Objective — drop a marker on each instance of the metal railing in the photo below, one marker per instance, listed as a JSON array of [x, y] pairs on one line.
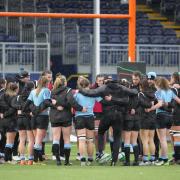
[[152, 55], [111, 55], [159, 55], [85, 50], [70, 43], [33, 57]]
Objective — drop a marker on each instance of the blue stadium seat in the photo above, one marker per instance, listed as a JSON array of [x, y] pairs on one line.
[[124, 23], [170, 39], [124, 39], [104, 11], [104, 39], [86, 29], [71, 49], [177, 13], [85, 47], [168, 6], [141, 15], [2, 38], [143, 22], [155, 23], [85, 22], [124, 6], [103, 22], [69, 21], [168, 32], [103, 30], [85, 38], [157, 39], [114, 22], [114, 30], [143, 31], [153, 1], [2, 29], [2, 7], [71, 38], [178, 41], [72, 30], [115, 39], [124, 31], [11, 39], [156, 31], [143, 39]]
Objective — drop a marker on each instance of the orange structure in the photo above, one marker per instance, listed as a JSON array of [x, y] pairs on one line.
[[131, 17]]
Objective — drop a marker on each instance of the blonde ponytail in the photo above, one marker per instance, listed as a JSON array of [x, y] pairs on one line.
[[42, 82], [59, 82]]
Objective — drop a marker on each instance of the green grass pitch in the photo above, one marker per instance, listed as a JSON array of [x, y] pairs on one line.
[[95, 172]]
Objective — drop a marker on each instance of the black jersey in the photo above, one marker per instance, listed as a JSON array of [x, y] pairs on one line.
[[176, 112]]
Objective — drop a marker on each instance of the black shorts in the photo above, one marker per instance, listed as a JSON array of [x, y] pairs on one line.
[[164, 120], [98, 116], [149, 125], [40, 122], [24, 123], [1, 125], [9, 125], [131, 125], [84, 122], [62, 124], [176, 121]]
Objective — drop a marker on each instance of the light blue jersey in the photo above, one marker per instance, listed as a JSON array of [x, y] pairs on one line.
[[37, 100], [87, 102], [165, 96]]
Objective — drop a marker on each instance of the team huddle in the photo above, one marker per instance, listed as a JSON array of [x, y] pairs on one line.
[[140, 115]]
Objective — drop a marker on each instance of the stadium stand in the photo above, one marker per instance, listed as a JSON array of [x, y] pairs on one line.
[[153, 28]]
